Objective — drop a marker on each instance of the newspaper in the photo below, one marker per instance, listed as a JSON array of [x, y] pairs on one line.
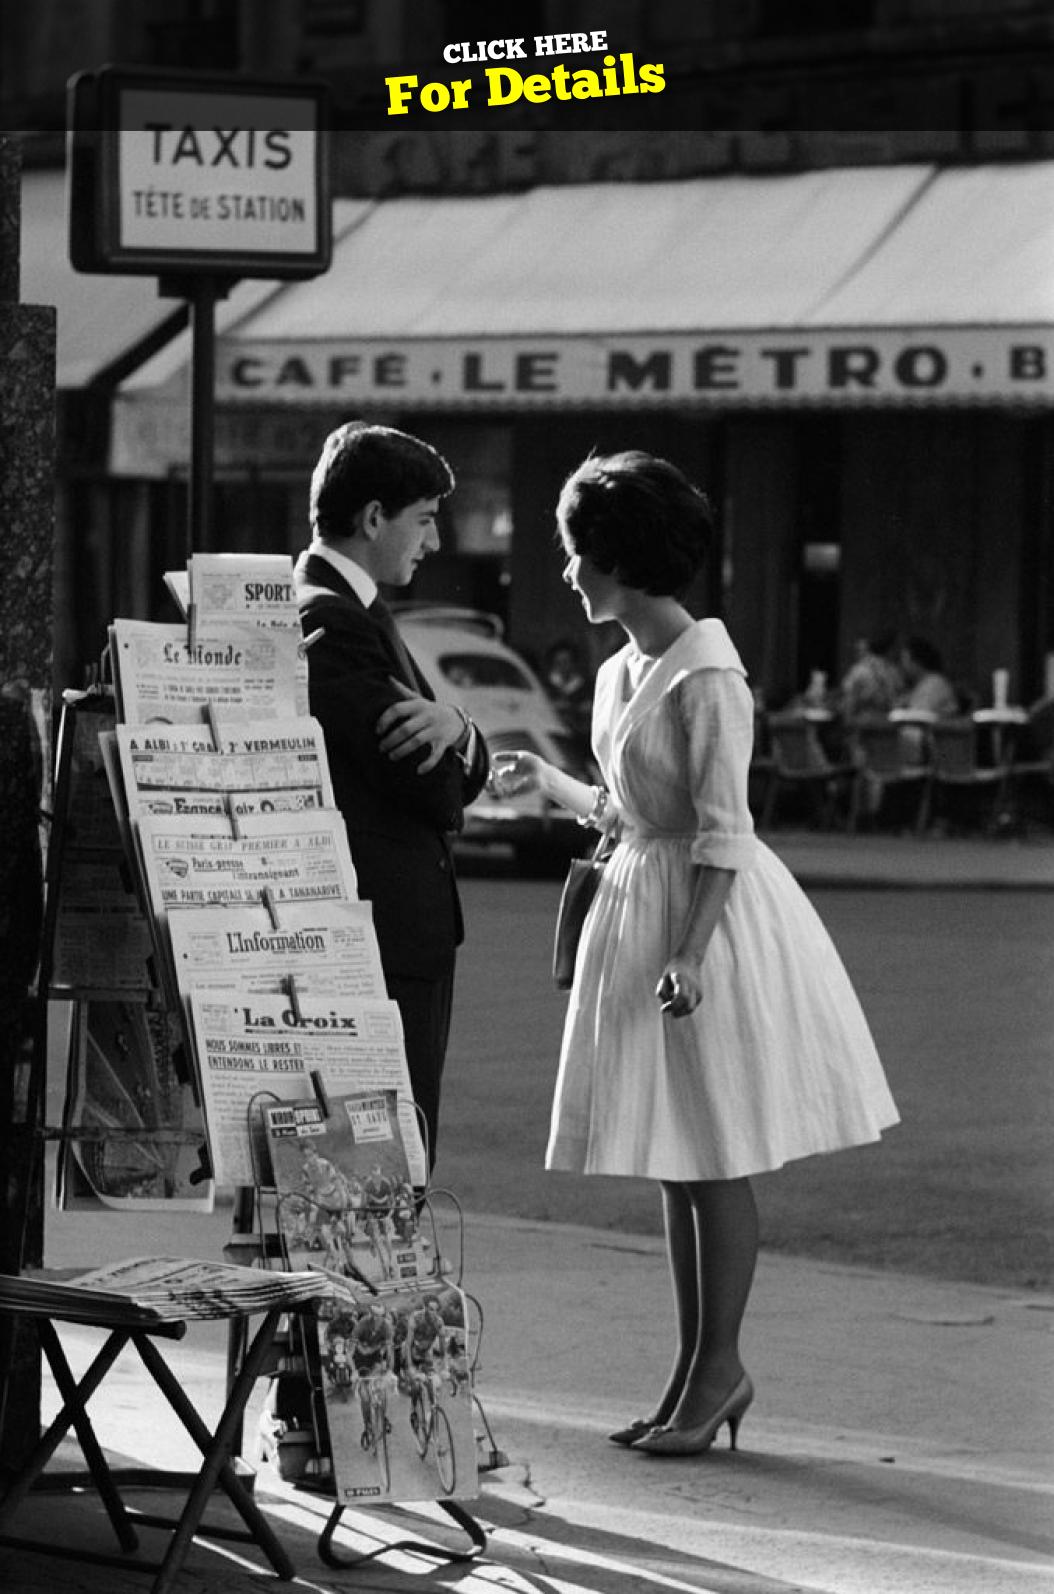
[[164, 1289], [133, 1133], [276, 859], [328, 948], [276, 766], [102, 943], [345, 1196], [297, 858], [252, 1045], [178, 584], [397, 1384], [100, 938], [162, 673], [257, 587]]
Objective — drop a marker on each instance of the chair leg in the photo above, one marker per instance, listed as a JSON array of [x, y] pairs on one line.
[[215, 1449], [73, 1415], [1003, 811], [823, 800], [855, 793]]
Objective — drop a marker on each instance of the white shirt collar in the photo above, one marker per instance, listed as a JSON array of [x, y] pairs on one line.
[[359, 580]]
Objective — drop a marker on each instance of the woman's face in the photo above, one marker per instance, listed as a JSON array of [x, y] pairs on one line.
[[599, 591]]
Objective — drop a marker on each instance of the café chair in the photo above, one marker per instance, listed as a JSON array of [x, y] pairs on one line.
[[886, 763], [1022, 740], [800, 764], [959, 764]]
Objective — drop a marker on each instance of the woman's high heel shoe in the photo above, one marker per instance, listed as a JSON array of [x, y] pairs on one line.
[[668, 1441], [634, 1430]]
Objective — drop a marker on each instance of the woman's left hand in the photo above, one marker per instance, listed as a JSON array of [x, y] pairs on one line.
[[680, 989]]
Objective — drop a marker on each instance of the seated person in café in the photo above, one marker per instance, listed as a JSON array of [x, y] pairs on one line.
[[927, 691], [873, 682], [926, 685]]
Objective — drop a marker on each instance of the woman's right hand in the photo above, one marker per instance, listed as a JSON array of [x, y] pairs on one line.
[[516, 772]]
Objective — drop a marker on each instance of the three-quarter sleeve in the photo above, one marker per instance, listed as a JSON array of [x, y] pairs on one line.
[[717, 712]]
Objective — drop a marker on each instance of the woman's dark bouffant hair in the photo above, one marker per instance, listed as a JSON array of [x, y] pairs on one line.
[[639, 518]]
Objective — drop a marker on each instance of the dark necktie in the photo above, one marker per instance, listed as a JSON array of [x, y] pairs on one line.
[[381, 612]]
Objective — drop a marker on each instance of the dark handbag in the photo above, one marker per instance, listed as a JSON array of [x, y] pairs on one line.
[[580, 887]]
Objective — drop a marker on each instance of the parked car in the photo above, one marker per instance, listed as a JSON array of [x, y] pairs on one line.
[[466, 660]]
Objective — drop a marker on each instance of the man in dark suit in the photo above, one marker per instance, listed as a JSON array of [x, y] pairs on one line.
[[404, 766]]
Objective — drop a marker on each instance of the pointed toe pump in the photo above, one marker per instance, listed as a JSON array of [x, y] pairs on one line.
[[634, 1430], [667, 1441]]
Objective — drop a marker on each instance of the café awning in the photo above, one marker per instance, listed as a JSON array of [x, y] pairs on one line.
[[877, 285], [106, 325]]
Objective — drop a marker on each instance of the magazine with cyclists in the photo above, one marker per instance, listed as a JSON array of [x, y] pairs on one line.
[[344, 1191], [397, 1384]]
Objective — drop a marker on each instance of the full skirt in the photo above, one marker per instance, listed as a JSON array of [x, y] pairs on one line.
[[776, 1063]]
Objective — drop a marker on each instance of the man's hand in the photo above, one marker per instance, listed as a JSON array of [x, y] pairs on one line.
[[418, 722]]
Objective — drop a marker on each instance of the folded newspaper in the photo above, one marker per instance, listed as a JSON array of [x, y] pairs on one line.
[[164, 1289], [249, 1048], [162, 672], [269, 766], [257, 587]]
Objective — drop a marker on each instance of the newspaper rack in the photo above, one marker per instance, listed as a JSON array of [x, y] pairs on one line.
[[248, 1358]]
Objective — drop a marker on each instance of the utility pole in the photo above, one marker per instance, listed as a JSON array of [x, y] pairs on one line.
[[27, 507]]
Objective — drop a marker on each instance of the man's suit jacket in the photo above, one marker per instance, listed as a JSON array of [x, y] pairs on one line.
[[399, 822]]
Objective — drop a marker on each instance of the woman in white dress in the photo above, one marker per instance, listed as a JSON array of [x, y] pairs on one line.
[[712, 1032]]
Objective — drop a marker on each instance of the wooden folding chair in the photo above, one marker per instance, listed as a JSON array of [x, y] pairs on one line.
[[216, 1447]]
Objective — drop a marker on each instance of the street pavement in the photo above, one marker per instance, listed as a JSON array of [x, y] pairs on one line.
[[826, 858], [901, 1442]]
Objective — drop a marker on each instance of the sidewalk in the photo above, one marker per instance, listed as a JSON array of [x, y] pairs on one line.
[[902, 1440]]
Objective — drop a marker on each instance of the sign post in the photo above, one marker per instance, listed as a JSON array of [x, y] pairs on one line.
[[202, 414], [200, 180]]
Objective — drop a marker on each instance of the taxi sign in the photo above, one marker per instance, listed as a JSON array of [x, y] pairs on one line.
[[183, 173]]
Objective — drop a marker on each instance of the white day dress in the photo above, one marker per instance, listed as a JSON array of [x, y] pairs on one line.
[[777, 1062]]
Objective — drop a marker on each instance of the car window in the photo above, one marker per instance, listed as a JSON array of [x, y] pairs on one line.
[[483, 669]]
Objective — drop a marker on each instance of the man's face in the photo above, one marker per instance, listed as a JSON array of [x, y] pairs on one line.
[[403, 540]]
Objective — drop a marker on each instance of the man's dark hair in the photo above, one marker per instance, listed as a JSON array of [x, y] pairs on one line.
[[360, 464], [639, 518]]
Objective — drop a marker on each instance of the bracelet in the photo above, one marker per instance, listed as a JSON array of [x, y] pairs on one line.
[[597, 809]]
